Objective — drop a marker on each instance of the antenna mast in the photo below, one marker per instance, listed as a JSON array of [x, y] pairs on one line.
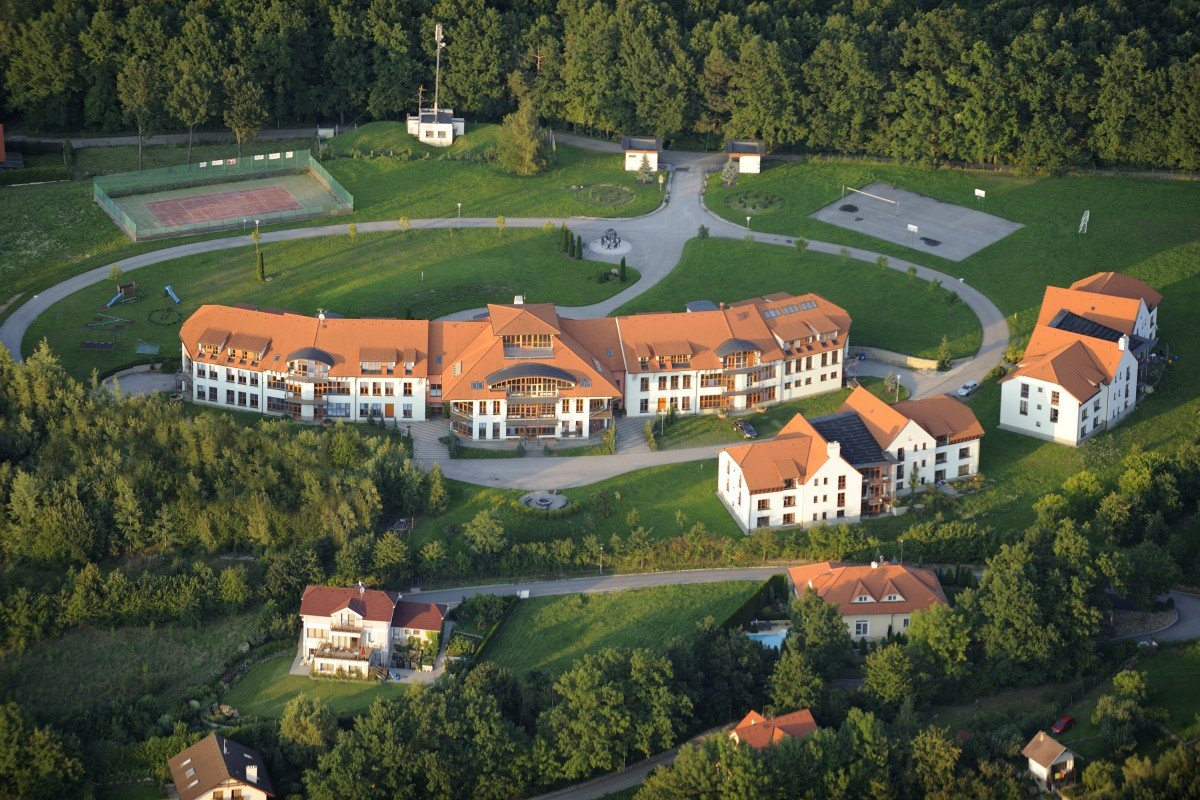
[[437, 79]]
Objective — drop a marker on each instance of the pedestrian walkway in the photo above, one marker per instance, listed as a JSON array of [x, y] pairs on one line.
[[630, 437], [426, 445]]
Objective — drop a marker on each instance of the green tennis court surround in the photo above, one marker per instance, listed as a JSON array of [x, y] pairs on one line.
[[221, 194]]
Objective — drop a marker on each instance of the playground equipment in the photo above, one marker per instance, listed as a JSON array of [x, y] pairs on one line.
[[126, 293], [169, 292]]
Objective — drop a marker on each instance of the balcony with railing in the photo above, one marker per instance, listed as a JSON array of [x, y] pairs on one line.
[[344, 654], [346, 627]]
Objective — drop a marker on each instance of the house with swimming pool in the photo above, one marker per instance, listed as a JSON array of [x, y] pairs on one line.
[[873, 599]]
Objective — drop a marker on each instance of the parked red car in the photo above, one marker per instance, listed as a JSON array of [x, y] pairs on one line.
[[1063, 724]]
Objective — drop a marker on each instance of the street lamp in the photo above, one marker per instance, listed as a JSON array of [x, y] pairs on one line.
[[901, 551], [747, 222], [601, 571], [459, 210]]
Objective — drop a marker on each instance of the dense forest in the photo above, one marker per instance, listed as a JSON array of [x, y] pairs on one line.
[[1039, 85]]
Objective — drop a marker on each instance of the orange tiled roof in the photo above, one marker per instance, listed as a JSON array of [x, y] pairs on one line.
[[1118, 285], [942, 415], [882, 420], [1079, 364], [839, 584], [1118, 313], [758, 732], [286, 333], [795, 453], [1044, 749]]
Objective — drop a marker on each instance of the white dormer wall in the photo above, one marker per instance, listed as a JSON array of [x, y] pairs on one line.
[[1034, 418], [249, 791], [1146, 325], [919, 453]]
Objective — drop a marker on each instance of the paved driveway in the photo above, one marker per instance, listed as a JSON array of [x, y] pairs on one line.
[[1186, 627]]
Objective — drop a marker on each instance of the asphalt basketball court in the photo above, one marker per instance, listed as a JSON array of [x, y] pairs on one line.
[[943, 229]]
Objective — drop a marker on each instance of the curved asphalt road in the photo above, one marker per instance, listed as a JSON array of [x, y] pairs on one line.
[[657, 240]]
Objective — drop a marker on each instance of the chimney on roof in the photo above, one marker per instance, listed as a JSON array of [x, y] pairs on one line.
[[874, 565], [721, 305], [1123, 342], [519, 300], [252, 773], [362, 590], [833, 449], [225, 747]]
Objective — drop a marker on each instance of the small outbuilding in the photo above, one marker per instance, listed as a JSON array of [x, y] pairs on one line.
[[638, 147], [216, 767], [747, 153], [436, 127], [1051, 763]]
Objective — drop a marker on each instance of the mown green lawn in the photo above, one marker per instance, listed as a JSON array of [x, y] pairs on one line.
[[432, 181], [54, 231], [1137, 226], [423, 274], [72, 676], [696, 430], [550, 633], [267, 688], [887, 308], [657, 493]]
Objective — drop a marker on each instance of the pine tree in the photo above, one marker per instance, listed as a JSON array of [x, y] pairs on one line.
[[260, 270], [519, 148], [436, 501], [943, 354], [564, 238], [570, 245], [621, 276], [579, 247], [644, 173], [729, 172]]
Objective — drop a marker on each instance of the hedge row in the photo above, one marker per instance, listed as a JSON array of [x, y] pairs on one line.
[[773, 588]]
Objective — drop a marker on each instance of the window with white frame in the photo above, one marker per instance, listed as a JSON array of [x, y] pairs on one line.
[[861, 627]]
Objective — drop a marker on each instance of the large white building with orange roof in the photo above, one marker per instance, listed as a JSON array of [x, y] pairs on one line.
[[873, 599], [750, 354], [520, 371], [1086, 362]]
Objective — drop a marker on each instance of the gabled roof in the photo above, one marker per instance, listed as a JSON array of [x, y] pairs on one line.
[[1117, 313], [370, 604], [1072, 365], [1119, 285], [839, 584], [883, 421], [1044, 749], [942, 416], [758, 732], [515, 320], [211, 762], [419, 616], [795, 454]]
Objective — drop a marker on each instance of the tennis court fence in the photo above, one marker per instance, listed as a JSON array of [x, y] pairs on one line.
[[111, 192]]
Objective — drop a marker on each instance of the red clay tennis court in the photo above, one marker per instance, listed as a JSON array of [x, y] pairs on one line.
[[244, 203]]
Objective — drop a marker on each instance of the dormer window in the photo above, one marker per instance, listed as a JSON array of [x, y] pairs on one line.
[[893, 598], [863, 598]]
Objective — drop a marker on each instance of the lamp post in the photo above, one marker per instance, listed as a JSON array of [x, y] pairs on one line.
[[901, 551], [459, 211], [601, 570], [747, 222]]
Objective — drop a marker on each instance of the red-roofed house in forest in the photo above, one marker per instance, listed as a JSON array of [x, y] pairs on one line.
[[874, 599], [216, 768], [352, 629], [758, 732]]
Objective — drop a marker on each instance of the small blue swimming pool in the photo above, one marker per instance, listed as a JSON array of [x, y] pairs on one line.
[[773, 640]]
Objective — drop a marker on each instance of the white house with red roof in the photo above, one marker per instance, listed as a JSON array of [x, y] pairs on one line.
[[759, 732], [353, 629], [1087, 361], [933, 439], [873, 599], [218, 768], [797, 478]]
